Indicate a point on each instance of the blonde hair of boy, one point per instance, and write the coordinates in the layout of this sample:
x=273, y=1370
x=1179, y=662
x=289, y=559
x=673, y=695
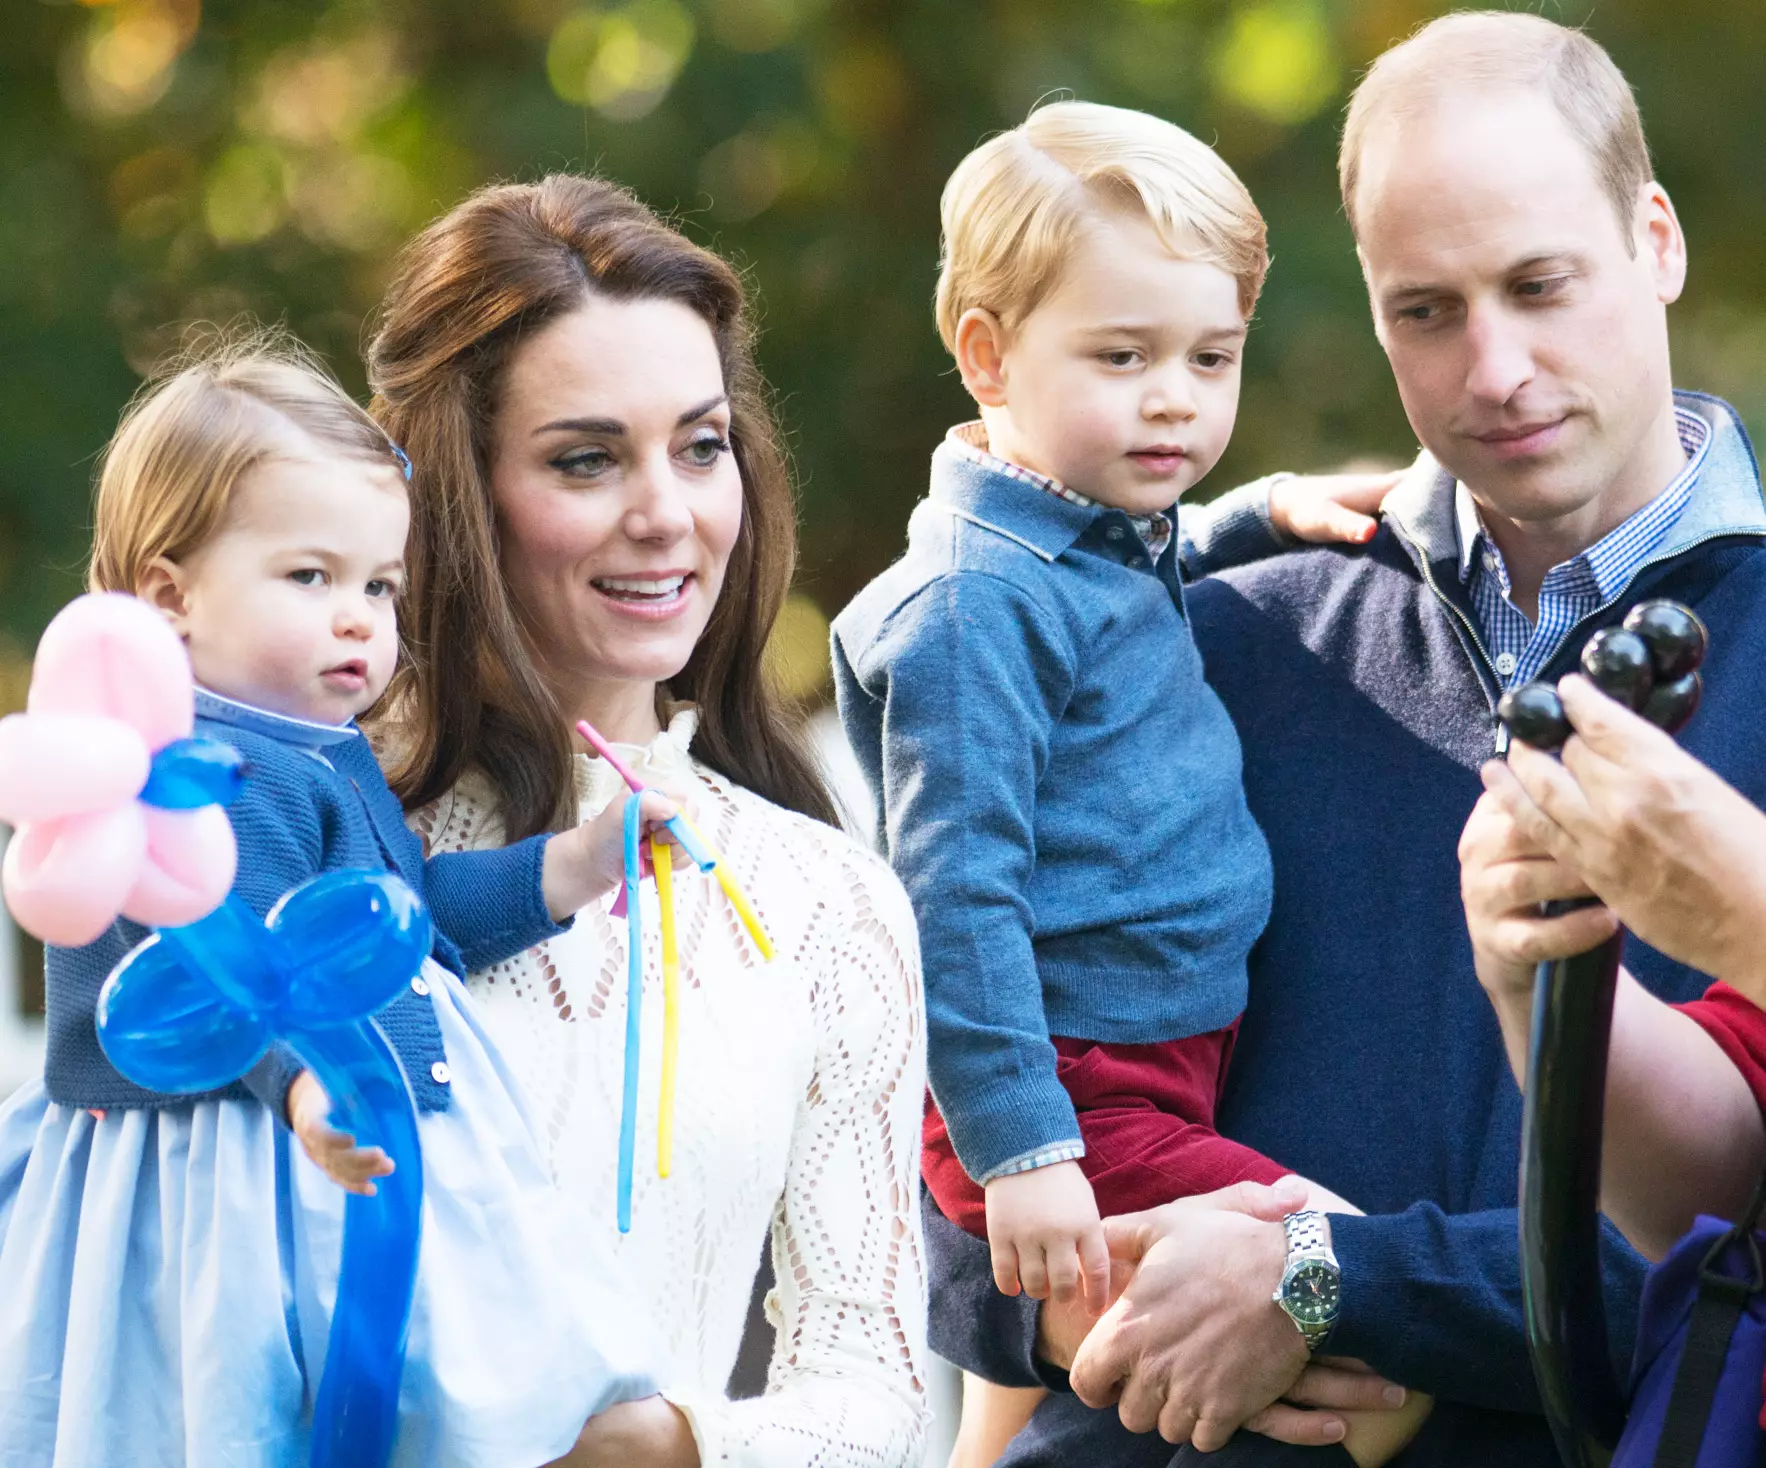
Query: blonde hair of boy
x=1016, y=206
x=1486, y=50
x=193, y=432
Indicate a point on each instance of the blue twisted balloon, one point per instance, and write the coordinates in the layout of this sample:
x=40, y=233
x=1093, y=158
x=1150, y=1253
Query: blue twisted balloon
x=193, y=1008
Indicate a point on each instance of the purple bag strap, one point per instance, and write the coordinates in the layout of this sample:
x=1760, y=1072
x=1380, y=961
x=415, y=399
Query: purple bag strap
x=1716, y=1311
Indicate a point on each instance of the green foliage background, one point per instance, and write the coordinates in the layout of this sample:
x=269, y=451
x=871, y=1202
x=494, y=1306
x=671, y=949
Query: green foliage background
x=163, y=161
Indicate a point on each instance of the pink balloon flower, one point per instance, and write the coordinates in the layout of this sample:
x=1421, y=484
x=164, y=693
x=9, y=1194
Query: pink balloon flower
x=110, y=687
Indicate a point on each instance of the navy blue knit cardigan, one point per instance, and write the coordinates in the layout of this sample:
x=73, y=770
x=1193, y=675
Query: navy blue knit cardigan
x=314, y=801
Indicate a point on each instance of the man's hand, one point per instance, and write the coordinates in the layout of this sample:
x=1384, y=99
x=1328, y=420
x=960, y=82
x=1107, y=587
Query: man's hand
x=1311, y=1413
x=1043, y=1229
x=1195, y=1345
x=1504, y=876
x=1322, y=508
x=1670, y=847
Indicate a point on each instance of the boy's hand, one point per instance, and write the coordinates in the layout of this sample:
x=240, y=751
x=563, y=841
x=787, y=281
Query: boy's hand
x=333, y=1152
x=588, y=861
x=1046, y=1237
x=1321, y=508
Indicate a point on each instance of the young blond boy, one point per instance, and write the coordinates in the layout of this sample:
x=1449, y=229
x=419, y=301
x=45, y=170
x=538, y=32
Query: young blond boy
x=1058, y=787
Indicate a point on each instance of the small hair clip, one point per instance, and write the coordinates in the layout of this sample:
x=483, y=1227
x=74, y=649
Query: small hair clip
x=403, y=458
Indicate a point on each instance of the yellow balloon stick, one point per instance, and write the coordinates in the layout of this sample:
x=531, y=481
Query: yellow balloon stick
x=662, y=858
x=733, y=891
x=739, y=901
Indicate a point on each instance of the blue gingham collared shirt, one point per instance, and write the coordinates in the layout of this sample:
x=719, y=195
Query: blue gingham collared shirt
x=1578, y=587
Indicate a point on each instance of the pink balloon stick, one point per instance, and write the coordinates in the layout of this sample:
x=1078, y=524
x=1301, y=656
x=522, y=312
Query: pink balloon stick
x=605, y=750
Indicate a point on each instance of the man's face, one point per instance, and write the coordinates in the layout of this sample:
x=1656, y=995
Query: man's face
x=1525, y=326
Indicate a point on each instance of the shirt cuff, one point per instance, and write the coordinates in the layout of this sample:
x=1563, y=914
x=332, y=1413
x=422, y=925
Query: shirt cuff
x=1047, y=1157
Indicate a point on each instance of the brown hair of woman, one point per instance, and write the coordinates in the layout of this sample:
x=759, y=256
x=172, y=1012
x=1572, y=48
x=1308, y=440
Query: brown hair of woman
x=500, y=266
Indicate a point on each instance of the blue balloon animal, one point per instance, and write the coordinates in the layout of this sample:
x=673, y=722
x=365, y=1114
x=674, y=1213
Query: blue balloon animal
x=193, y=1008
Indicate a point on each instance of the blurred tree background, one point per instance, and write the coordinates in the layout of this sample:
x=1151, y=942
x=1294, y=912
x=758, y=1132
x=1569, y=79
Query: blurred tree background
x=166, y=161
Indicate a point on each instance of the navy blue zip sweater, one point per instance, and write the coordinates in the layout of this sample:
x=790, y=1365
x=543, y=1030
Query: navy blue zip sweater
x=1368, y=1057
x=298, y=816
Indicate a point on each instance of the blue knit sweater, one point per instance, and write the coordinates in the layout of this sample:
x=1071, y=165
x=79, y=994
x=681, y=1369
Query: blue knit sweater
x=1369, y=1058
x=1059, y=792
x=314, y=801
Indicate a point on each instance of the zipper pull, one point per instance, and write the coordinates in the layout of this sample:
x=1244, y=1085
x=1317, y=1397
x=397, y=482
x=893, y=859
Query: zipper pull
x=1501, y=739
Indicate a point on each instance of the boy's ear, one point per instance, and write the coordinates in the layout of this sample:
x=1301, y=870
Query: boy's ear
x=163, y=585
x=981, y=356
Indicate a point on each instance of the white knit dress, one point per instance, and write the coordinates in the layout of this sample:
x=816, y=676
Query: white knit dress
x=800, y=1089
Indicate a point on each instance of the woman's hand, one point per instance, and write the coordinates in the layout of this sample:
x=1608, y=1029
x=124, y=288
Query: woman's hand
x=588, y=861
x=333, y=1152
x=1504, y=876
x=1322, y=508
x=648, y=1433
x=1678, y=854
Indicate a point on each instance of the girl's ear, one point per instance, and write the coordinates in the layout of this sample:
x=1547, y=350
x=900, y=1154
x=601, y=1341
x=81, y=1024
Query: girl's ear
x=981, y=356
x=164, y=585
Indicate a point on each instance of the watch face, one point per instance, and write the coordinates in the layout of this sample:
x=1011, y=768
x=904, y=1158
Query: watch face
x=1310, y=1293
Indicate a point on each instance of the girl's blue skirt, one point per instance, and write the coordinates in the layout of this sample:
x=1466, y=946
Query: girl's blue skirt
x=167, y=1279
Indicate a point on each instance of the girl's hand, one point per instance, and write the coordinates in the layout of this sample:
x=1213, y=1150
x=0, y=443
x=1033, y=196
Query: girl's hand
x=588, y=861
x=1322, y=508
x=333, y=1152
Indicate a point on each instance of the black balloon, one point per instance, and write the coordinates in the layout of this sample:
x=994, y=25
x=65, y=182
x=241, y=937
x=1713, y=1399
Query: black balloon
x=1676, y=638
x=1618, y=663
x=1670, y=705
x=1534, y=714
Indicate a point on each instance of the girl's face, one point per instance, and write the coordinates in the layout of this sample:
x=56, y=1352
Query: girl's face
x=618, y=499
x=290, y=606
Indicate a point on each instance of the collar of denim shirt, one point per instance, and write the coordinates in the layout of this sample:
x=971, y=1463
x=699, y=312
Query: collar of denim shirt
x=1045, y=524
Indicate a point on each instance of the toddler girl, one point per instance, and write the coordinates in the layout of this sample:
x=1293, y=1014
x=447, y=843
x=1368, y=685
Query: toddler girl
x=168, y=1264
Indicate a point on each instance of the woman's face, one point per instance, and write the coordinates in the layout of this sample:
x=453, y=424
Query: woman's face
x=618, y=500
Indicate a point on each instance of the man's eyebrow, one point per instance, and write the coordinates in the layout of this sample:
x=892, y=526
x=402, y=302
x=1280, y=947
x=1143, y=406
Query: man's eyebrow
x=1399, y=294
x=615, y=428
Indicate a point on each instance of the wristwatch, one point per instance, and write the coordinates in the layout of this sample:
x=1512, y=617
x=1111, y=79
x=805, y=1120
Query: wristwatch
x=1312, y=1284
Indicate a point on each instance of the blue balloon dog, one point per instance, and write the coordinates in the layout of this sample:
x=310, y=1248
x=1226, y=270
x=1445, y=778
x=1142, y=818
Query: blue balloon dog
x=193, y=1008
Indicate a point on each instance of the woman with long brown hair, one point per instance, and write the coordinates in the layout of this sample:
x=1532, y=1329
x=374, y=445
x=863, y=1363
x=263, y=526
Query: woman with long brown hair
x=603, y=528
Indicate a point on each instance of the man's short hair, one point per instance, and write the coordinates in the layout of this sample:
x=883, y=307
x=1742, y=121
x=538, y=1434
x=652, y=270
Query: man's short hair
x=1014, y=208
x=1489, y=49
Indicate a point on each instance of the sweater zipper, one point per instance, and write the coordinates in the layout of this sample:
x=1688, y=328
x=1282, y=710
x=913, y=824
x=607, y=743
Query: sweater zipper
x=1472, y=631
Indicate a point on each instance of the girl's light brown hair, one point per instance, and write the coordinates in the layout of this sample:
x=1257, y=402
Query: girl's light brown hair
x=500, y=266
x=198, y=426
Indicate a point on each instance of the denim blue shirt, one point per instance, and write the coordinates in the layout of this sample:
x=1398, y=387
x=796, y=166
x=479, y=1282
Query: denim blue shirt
x=1059, y=791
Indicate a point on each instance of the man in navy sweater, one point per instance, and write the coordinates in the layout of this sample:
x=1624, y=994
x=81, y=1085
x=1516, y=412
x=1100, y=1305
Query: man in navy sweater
x=1519, y=259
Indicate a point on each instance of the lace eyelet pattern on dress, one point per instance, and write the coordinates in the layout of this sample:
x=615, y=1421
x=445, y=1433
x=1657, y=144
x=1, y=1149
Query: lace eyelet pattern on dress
x=800, y=1087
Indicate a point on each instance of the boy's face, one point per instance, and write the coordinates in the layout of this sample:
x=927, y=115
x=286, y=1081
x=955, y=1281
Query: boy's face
x=1123, y=382
x=291, y=605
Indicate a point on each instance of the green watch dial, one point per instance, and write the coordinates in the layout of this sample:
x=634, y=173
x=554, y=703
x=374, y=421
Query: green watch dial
x=1311, y=1293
